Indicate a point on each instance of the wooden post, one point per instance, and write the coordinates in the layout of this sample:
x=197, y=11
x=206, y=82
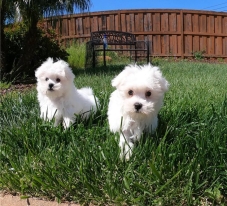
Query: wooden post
x=119, y=20
x=93, y=56
x=135, y=54
x=104, y=54
x=148, y=51
x=182, y=34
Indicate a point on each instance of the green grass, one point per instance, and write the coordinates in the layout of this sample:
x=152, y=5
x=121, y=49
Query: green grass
x=184, y=163
x=77, y=53
x=77, y=57
x=4, y=85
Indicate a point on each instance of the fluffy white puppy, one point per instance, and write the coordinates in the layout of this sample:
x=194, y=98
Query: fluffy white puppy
x=57, y=95
x=134, y=105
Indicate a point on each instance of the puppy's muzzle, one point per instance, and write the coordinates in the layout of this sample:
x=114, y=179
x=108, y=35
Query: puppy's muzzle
x=138, y=106
x=51, y=86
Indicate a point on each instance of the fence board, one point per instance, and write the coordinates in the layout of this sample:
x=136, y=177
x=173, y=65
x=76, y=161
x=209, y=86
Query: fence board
x=211, y=46
x=127, y=22
x=111, y=22
x=195, y=46
x=87, y=24
x=123, y=23
x=173, y=45
x=225, y=47
x=170, y=32
x=173, y=22
x=65, y=27
x=157, y=23
x=164, y=22
x=132, y=23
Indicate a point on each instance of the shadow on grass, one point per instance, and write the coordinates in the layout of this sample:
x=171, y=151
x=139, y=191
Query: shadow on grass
x=100, y=70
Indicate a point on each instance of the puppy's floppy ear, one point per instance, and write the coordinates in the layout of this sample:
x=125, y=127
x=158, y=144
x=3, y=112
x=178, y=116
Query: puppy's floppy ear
x=69, y=73
x=64, y=69
x=45, y=66
x=164, y=84
x=119, y=80
x=162, y=81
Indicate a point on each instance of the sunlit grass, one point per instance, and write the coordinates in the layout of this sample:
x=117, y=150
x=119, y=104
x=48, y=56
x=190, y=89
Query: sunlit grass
x=77, y=53
x=184, y=163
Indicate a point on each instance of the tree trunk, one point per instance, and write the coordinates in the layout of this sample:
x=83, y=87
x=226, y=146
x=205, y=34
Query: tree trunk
x=2, y=37
x=25, y=62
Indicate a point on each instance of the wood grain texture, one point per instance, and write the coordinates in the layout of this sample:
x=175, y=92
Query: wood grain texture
x=170, y=32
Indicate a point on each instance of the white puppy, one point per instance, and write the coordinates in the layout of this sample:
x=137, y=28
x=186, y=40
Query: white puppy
x=134, y=105
x=58, y=97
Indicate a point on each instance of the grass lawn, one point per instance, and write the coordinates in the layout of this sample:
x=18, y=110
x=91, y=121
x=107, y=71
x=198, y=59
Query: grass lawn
x=184, y=163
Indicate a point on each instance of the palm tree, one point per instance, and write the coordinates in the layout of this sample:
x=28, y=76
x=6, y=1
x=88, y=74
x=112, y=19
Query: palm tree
x=31, y=12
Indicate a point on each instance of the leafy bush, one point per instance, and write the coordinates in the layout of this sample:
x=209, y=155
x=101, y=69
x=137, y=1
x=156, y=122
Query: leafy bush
x=79, y=57
x=76, y=53
x=45, y=45
x=199, y=54
x=49, y=44
x=14, y=38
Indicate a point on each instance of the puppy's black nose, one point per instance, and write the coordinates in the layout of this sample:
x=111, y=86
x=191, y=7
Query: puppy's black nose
x=51, y=86
x=138, y=106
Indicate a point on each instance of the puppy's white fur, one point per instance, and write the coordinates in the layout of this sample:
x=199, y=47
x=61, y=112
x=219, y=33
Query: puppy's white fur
x=134, y=105
x=57, y=95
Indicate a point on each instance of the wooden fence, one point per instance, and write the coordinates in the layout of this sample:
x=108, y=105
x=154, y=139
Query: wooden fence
x=177, y=33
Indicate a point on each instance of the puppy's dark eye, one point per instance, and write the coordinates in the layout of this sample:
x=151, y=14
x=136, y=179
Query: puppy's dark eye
x=58, y=80
x=47, y=79
x=130, y=92
x=148, y=94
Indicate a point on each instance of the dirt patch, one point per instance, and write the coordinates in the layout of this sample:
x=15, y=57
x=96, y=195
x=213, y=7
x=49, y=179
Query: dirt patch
x=10, y=200
x=17, y=88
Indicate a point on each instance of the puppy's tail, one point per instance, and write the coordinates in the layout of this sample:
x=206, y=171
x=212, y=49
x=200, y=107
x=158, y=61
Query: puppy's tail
x=86, y=90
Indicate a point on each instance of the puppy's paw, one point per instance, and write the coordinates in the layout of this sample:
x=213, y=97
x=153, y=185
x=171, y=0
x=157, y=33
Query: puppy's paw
x=126, y=150
x=67, y=122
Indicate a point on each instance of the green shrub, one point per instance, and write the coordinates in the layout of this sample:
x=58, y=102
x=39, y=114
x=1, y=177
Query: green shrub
x=157, y=61
x=76, y=56
x=14, y=38
x=49, y=45
x=45, y=44
x=199, y=54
